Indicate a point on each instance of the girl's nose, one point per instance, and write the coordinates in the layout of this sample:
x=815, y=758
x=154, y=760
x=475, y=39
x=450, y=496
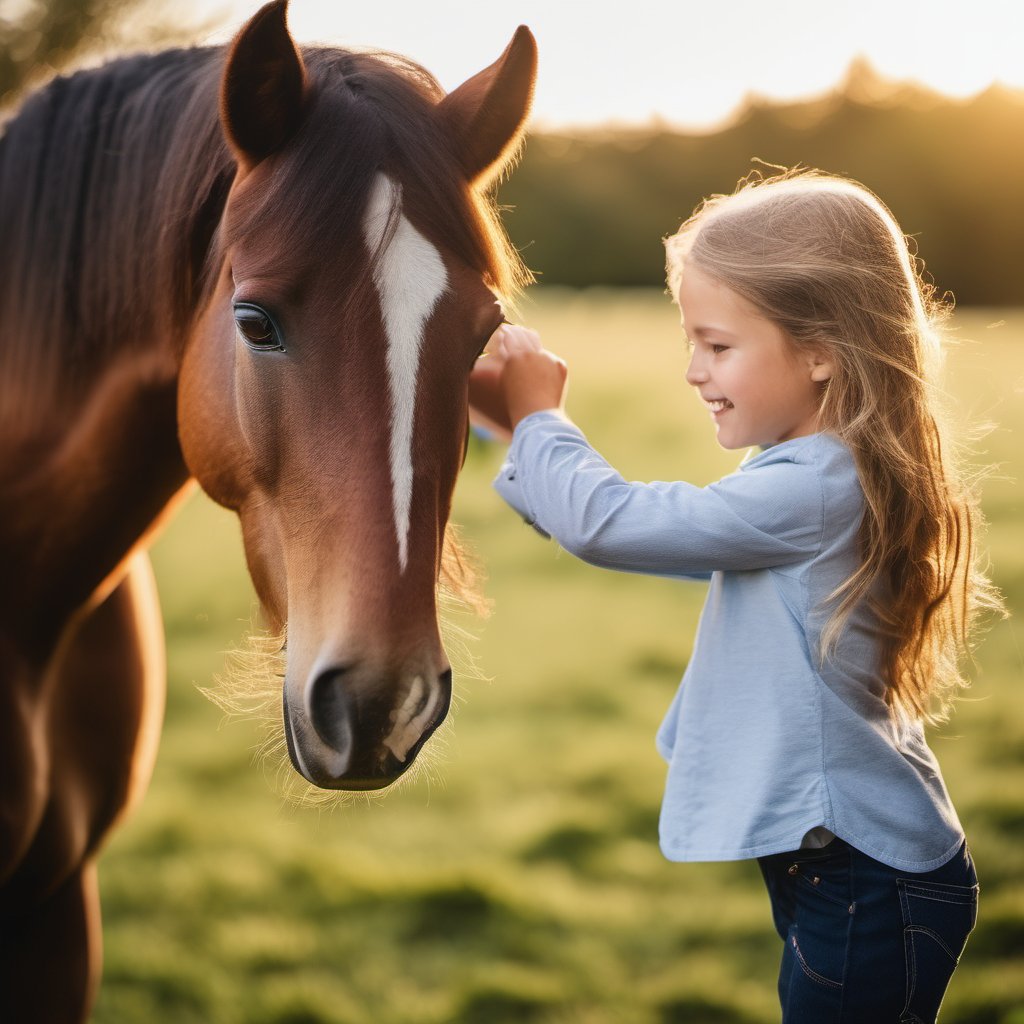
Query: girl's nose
x=695, y=372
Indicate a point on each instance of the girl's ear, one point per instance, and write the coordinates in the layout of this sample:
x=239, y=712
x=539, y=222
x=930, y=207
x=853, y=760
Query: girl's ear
x=486, y=115
x=263, y=87
x=822, y=366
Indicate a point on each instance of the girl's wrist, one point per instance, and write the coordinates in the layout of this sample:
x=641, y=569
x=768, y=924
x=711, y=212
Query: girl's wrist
x=527, y=393
x=519, y=411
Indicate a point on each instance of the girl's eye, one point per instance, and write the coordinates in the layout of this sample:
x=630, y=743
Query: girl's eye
x=718, y=348
x=257, y=328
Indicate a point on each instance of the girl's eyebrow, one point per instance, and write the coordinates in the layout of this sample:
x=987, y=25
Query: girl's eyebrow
x=703, y=330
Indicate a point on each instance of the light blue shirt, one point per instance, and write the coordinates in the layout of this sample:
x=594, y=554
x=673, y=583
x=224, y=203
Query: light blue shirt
x=763, y=741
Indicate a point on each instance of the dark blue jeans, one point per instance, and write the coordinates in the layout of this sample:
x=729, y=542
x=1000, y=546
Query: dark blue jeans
x=863, y=941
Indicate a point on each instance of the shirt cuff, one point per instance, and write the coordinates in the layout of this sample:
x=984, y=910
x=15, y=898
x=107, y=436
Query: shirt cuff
x=506, y=483
x=541, y=416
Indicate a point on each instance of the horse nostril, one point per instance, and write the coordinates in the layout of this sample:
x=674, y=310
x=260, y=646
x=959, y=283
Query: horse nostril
x=330, y=710
x=420, y=713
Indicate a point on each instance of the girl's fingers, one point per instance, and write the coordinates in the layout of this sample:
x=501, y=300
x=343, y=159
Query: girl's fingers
x=493, y=346
x=513, y=338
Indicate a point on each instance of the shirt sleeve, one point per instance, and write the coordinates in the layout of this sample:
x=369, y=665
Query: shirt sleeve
x=759, y=517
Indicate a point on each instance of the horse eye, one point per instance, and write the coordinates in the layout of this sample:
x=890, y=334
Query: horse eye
x=257, y=328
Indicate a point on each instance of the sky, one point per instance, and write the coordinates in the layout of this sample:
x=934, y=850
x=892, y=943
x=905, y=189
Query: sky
x=683, y=63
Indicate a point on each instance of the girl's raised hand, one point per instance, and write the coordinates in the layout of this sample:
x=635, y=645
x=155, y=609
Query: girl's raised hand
x=516, y=376
x=532, y=378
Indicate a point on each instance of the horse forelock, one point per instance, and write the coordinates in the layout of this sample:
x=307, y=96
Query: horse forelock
x=370, y=113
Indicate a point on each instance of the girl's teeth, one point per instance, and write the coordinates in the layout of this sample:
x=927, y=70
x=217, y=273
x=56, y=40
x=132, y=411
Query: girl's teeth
x=719, y=404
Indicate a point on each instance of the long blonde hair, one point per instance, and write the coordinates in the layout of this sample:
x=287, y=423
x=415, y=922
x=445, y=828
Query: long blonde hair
x=824, y=259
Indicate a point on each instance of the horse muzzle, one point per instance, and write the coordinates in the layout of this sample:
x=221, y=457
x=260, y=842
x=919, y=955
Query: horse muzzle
x=355, y=729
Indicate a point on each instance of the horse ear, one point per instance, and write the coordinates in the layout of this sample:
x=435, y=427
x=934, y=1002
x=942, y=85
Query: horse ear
x=487, y=113
x=263, y=87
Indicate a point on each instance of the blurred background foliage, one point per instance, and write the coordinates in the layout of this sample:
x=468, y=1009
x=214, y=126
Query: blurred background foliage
x=590, y=208
x=41, y=37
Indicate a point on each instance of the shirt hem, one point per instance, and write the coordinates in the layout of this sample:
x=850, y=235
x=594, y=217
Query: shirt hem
x=682, y=854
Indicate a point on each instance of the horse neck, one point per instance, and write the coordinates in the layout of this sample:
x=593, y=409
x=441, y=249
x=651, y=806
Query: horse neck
x=111, y=185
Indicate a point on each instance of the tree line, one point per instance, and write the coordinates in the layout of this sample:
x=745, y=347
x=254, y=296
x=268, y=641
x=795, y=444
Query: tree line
x=591, y=208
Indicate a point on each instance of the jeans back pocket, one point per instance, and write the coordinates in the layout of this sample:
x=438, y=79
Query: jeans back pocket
x=937, y=919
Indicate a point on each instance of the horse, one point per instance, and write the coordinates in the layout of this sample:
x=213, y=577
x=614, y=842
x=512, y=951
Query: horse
x=267, y=269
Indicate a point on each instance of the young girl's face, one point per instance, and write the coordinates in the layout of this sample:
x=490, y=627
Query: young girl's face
x=759, y=390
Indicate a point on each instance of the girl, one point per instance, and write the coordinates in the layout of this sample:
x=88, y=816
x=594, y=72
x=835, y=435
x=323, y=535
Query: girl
x=842, y=592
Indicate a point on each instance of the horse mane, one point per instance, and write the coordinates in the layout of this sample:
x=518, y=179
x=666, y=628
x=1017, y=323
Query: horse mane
x=113, y=183
x=104, y=179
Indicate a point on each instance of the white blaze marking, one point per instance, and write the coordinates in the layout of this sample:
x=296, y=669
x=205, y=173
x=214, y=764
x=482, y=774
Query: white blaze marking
x=410, y=278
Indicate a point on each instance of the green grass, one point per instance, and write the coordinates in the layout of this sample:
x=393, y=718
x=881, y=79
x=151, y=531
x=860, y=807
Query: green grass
x=519, y=879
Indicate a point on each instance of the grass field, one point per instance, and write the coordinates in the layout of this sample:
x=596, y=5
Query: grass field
x=519, y=878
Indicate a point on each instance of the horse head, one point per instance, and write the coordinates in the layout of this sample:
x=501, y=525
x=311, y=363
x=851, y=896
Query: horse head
x=355, y=277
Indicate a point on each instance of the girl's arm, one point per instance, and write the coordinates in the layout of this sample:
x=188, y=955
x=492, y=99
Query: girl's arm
x=756, y=518
x=507, y=485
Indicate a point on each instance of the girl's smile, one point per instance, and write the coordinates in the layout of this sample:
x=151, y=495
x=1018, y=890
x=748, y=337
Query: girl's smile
x=757, y=387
